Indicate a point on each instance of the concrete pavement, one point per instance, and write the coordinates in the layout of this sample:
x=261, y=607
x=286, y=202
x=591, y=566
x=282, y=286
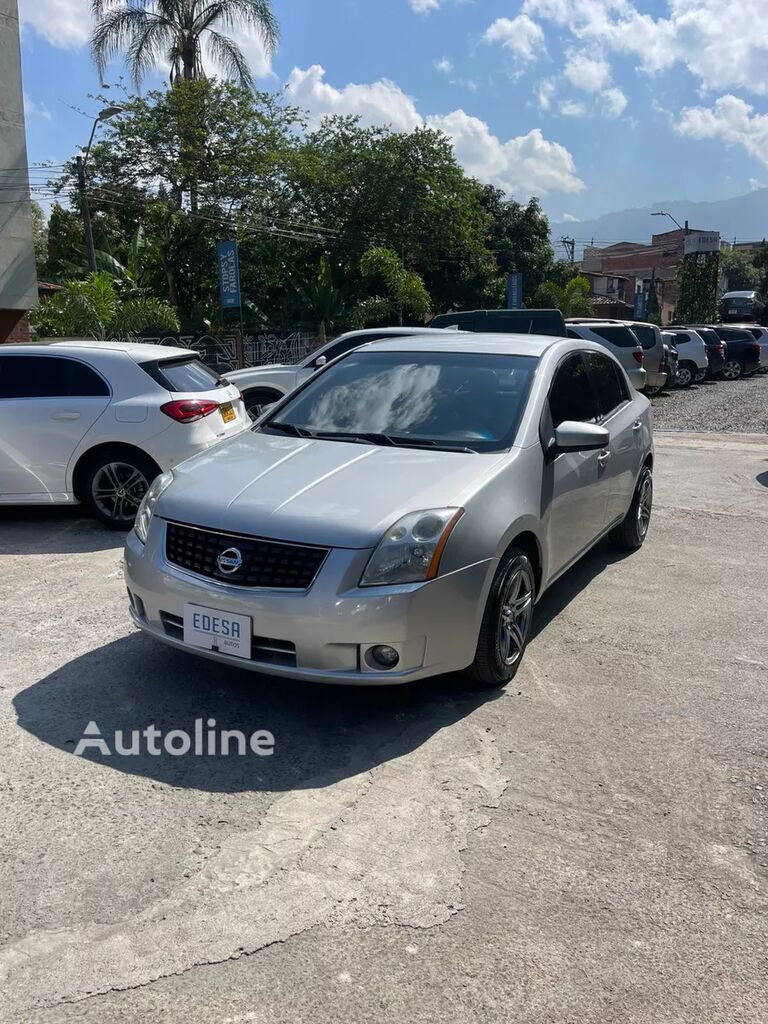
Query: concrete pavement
x=588, y=846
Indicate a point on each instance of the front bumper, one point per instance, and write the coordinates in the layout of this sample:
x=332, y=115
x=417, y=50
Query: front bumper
x=321, y=634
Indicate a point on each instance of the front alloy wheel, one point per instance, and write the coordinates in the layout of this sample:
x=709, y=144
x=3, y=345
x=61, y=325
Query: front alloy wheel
x=732, y=369
x=685, y=376
x=633, y=529
x=506, y=625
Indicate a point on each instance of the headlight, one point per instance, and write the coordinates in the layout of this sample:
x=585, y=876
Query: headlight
x=148, y=502
x=410, y=551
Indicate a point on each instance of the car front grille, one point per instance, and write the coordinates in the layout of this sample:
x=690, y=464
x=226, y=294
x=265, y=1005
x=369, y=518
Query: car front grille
x=263, y=563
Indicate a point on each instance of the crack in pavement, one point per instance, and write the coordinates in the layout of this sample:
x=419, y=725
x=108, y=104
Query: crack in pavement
x=380, y=846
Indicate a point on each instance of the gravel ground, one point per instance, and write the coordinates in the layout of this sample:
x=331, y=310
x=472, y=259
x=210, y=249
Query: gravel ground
x=740, y=406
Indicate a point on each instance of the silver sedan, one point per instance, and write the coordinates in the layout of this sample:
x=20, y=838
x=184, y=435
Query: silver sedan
x=399, y=515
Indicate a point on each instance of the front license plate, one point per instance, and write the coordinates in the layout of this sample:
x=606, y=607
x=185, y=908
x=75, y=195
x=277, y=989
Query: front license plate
x=227, y=411
x=214, y=630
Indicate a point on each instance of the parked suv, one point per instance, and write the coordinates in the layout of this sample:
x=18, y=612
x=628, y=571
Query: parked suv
x=264, y=385
x=736, y=307
x=505, y=321
x=621, y=341
x=760, y=334
x=743, y=355
x=716, y=347
x=95, y=422
x=650, y=338
x=693, y=362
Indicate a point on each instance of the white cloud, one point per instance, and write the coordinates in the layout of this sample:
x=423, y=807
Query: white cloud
x=712, y=38
x=62, y=23
x=614, y=102
x=731, y=120
x=545, y=92
x=424, y=6
x=32, y=109
x=755, y=184
x=444, y=65
x=573, y=108
x=591, y=74
x=568, y=218
x=381, y=102
x=526, y=165
x=521, y=35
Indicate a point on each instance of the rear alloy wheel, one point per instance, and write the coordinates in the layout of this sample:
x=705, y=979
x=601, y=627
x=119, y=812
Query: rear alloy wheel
x=115, y=487
x=257, y=400
x=685, y=375
x=633, y=529
x=701, y=374
x=732, y=369
x=506, y=623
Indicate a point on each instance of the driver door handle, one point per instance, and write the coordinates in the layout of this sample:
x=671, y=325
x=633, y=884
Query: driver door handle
x=603, y=456
x=637, y=424
x=65, y=416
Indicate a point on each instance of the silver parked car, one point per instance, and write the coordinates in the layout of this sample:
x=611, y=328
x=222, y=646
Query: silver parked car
x=621, y=341
x=262, y=386
x=650, y=338
x=399, y=515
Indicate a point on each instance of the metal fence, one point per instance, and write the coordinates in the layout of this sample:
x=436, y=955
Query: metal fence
x=220, y=351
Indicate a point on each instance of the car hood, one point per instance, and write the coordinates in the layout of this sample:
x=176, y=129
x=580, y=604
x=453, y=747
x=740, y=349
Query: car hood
x=332, y=493
x=233, y=375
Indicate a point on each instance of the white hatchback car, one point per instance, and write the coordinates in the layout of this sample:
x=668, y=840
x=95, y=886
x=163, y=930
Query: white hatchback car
x=96, y=422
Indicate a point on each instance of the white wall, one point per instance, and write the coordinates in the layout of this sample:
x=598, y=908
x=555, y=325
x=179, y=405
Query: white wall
x=18, y=280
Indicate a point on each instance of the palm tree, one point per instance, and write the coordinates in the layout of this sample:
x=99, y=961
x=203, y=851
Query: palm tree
x=149, y=31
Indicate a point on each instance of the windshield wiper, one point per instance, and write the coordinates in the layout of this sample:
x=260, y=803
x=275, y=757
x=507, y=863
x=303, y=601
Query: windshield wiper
x=438, y=446
x=290, y=428
x=364, y=435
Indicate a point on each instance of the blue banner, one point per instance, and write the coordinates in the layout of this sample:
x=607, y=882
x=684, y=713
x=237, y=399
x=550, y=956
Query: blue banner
x=638, y=312
x=515, y=291
x=229, y=274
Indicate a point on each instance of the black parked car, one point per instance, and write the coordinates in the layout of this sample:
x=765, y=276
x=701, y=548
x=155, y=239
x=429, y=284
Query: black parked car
x=504, y=321
x=743, y=355
x=716, y=347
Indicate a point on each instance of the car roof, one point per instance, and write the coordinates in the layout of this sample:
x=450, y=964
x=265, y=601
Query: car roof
x=740, y=295
x=399, y=331
x=139, y=351
x=500, y=344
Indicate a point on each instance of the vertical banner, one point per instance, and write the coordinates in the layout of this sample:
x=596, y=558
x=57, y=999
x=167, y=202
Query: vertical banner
x=638, y=312
x=515, y=291
x=229, y=274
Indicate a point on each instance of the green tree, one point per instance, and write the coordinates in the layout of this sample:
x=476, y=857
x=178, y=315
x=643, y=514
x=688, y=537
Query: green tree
x=150, y=31
x=739, y=271
x=571, y=299
x=518, y=236
x=322, y=302
x=92, y=309
x=65, y=243
x=403, y=290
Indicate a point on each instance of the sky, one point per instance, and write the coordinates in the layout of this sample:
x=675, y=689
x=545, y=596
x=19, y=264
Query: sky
x=592, y=105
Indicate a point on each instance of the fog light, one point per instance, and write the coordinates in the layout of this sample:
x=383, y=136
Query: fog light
x=386, y=657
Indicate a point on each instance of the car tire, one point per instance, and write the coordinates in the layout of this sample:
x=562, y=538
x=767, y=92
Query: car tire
x=506, y=624
x=732, y=369
x=686, y=374
x=257, y=398
x=654, y=392
x=115, y=483
x=700, y=376
x=633, y=529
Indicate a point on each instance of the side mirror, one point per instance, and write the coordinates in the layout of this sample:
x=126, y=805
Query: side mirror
x=573, y=436
x=320, y=361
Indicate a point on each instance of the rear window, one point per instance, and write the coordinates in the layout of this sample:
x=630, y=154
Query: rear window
x=645, y=335
x=709, y=336
x=183, y=375
x=732, y=334
x=622, y=337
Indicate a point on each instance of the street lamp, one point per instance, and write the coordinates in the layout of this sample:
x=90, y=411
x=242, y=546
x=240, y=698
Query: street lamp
x=103, y=115
x=663, y=213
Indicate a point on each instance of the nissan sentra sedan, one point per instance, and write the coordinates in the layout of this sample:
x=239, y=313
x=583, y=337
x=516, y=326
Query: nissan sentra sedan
x=399, y=515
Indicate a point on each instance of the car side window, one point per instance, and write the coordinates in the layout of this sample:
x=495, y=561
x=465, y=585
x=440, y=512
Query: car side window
x=608, y=381
x=48, y=377
x=571, y=396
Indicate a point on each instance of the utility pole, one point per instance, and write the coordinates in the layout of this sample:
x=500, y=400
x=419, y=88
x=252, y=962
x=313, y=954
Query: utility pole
x=570, y=247
x=89, y=246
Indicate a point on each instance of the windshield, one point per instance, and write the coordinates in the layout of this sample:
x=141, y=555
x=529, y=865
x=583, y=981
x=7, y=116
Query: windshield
x=448, y=400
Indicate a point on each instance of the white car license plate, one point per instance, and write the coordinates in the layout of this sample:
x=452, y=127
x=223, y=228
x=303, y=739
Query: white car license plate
x=214, y=630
